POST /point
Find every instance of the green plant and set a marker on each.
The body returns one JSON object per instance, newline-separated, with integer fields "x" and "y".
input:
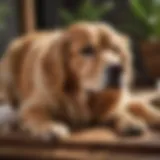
{"x": 87, "y": 11}
{"x": 145, "y": 20}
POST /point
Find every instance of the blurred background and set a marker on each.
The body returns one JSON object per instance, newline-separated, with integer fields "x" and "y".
{"x": 140, "y": 19}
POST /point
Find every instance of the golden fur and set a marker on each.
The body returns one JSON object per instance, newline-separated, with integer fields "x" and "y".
{"x": 56, "y": 79}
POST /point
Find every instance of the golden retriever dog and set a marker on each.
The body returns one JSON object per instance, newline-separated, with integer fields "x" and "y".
{"x": 72, "y": 77}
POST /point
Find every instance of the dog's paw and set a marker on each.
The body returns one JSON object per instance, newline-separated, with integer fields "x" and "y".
{"x": 131, "y": 131}
{"x": 8, "y": 119}
{"x": 131, "y": 127}
{"x": 47, "y": 131}
{"x": 155, "y": 123}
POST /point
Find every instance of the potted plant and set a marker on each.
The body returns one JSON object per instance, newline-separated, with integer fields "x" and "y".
{"x": 87, "y": 11}
{"x": 145, "y": 25}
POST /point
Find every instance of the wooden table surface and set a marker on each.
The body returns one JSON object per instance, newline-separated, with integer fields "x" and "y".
{"x": 95, "y": 143}
{"x": 90, "y": 144}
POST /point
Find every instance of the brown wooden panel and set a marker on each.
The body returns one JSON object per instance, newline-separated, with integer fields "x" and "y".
{"x": 27, "y": 8}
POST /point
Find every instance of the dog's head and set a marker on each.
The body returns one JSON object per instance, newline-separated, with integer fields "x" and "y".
{"x": 96, "y": 55}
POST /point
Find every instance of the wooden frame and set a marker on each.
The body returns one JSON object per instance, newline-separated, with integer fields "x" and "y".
{"x": 28, "y": 19}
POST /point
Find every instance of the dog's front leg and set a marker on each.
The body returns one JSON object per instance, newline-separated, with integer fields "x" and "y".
{"x": 36, "y": 118}
{"x": 108, "y": 107}
{"x": 127, "y": 124}
{"x": 146, "y": 112}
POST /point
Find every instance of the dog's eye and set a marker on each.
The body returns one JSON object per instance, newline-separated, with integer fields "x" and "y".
{"x": 88, "y": 51}
{"x": 115, "y": 48}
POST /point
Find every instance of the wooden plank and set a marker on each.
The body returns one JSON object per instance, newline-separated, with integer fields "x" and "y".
{"x": 67, "y": 154}
{"x": 147, "y": 144}
{"x": 28, "y": 15}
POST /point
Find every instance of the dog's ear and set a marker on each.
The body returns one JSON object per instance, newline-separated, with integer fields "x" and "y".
{"x": 104, "y": 38}
{"x": 129, "y": 60}
{"x": 72, "y": 83}
{"x": 105, "y": 33}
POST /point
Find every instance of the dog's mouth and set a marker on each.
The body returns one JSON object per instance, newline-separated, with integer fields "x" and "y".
{"x": 114, "y": 76}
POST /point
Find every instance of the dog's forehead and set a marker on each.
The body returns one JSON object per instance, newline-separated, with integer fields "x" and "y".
{"x": 83, "y": 33}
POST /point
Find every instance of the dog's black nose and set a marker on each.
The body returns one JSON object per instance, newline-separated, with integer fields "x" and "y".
{"x": 114, "y": 73}
{"x": 115, "y": 69}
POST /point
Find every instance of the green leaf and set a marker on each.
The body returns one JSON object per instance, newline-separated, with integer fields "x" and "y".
{"x": 138, "y": 9}
{"x": 66, "y": 16}
{"x": 86, "y": 11}
{"x": 157, "y": 29}
{"x": 147, "y": 5}
{"x": 103, "y": 9}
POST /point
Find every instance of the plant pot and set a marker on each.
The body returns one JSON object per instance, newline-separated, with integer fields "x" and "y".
{"x": 150, "y": 52}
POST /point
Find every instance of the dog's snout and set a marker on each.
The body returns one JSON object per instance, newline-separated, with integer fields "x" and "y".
{"x": 113, "y": 74}
{"x": 115, "y": 69}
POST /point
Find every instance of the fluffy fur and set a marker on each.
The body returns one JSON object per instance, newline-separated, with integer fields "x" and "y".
{"x": 59, "y": 80}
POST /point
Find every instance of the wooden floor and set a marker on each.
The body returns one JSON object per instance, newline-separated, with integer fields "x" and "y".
{"x": 90, "y": 144}
{"x": 95, "y": 143}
